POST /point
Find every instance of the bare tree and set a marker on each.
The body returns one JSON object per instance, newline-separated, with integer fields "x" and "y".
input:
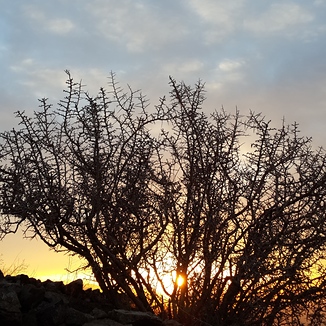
{"x": 81, "y": 179}
{"x": 147, "y": 197}
{"x": 249, "y": 225}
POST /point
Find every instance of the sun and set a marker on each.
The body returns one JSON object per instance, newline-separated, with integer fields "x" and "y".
{"x": 169, "y": 281}
{"x": 180, "y": 281}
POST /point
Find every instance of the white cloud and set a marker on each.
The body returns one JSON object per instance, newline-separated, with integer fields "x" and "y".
{"x": 216, "y": 11}
{"x": 279, "y": 17}
{"x": 230, "y": 71}
{"x": 139, "y": 28}
{"x": 182, "y": 68}
{"x": 230, "y": 65}
{"x": 39, "y": 80}
{"x": 28, "y": 62}
{"x": 49, "y": 82}
{"x": 222, "y": 16}
{"x": 60, "y": 26}
{"x": 319, "y": 2}
{"x": 54, "y": 25}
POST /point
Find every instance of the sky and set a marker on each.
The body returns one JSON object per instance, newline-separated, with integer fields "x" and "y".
{"x": 259, "y": 55}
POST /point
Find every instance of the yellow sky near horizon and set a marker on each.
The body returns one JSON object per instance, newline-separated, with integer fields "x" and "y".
{"x": 38, "y": 260}
{"x": 42, "y": 263}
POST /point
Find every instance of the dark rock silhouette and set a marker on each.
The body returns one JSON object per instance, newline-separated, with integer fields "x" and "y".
{"x": 26, "y": 301}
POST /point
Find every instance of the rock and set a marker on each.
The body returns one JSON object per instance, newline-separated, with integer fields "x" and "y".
{"x": 55, "y": 298}
{"x": 148, "y": 322}
{"x": 74, "y": 317}
{"x": 48, "y": 314}
{"x": 52, "y": 286}
{"x": 30, "y": 296}
{"x": 23, "y": 279}
{"x": 26, "y": 301}
{"x": 19, "y": 279}
{"x": 10, "y": 308}
{"x": 171, "y": 322}
{"x": 104, "y": 322}
{"x": 52, "y": 315}
{"x": 99, "y": 313}
{"x": 35, "y": 282}
{"x": 30, "y": 319}
{"x": 136, "y": 318}
{"x": 75, "y": 288}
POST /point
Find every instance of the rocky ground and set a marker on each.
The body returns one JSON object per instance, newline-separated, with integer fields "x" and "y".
{"x": 26, "y": 301}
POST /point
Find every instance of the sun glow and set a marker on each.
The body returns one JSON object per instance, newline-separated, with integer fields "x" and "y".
{"x": 169, "y": 281}
{"x": 164, "y": 280}
{"x": 180, "y": 281}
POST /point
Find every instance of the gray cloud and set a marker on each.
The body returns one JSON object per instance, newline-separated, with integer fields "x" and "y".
{"x": 266, "y": 56}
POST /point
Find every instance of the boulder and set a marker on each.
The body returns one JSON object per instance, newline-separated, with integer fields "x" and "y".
{"x": 136, "y": 318}
{"x": 171, "y": 322}
{"x": 104, "y": 322}
{"x": 52, "y": 286}
{"x": 72, "y": 316}
{"x": 75, "y": 288}
{"x": 10, "y": 307}
{"x": 99, "y": 313}
{"x": 26, "y": 301}
{"x": 30, "y": 296}
{"x": 48, "y": 314}
{"x": 54, "y": 299}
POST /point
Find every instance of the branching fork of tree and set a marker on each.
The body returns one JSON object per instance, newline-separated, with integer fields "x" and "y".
{"x": 142, "y": 194}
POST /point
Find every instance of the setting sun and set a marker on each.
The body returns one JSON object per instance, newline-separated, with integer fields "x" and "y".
{"x": 180, "y": 281}
{"x": 169, "y": 281}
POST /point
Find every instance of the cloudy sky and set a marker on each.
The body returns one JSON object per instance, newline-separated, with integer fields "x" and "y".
{"x": 261, "y": 55}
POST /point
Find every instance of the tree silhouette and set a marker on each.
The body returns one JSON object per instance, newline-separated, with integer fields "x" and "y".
{"x": 230, "y": 204}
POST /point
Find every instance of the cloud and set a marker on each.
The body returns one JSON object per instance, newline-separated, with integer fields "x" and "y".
{"x": 60, "y": 26}
{"x": 186, "y": 67}
{"x": 228, "y": 72}
{"x": 55, "y": 25}
{"x": 217, "y": 12}
{"x": 279, "y": 17}
{"x": 138, "y": 27}
{"x": 229, "y": 65}
{"x": 319, "y": 2}
{"x": 231, "y": 45}
{"x": 37, "y": 80}
{"x": 221, "y": 16}
{"x": 40, "y": 81}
